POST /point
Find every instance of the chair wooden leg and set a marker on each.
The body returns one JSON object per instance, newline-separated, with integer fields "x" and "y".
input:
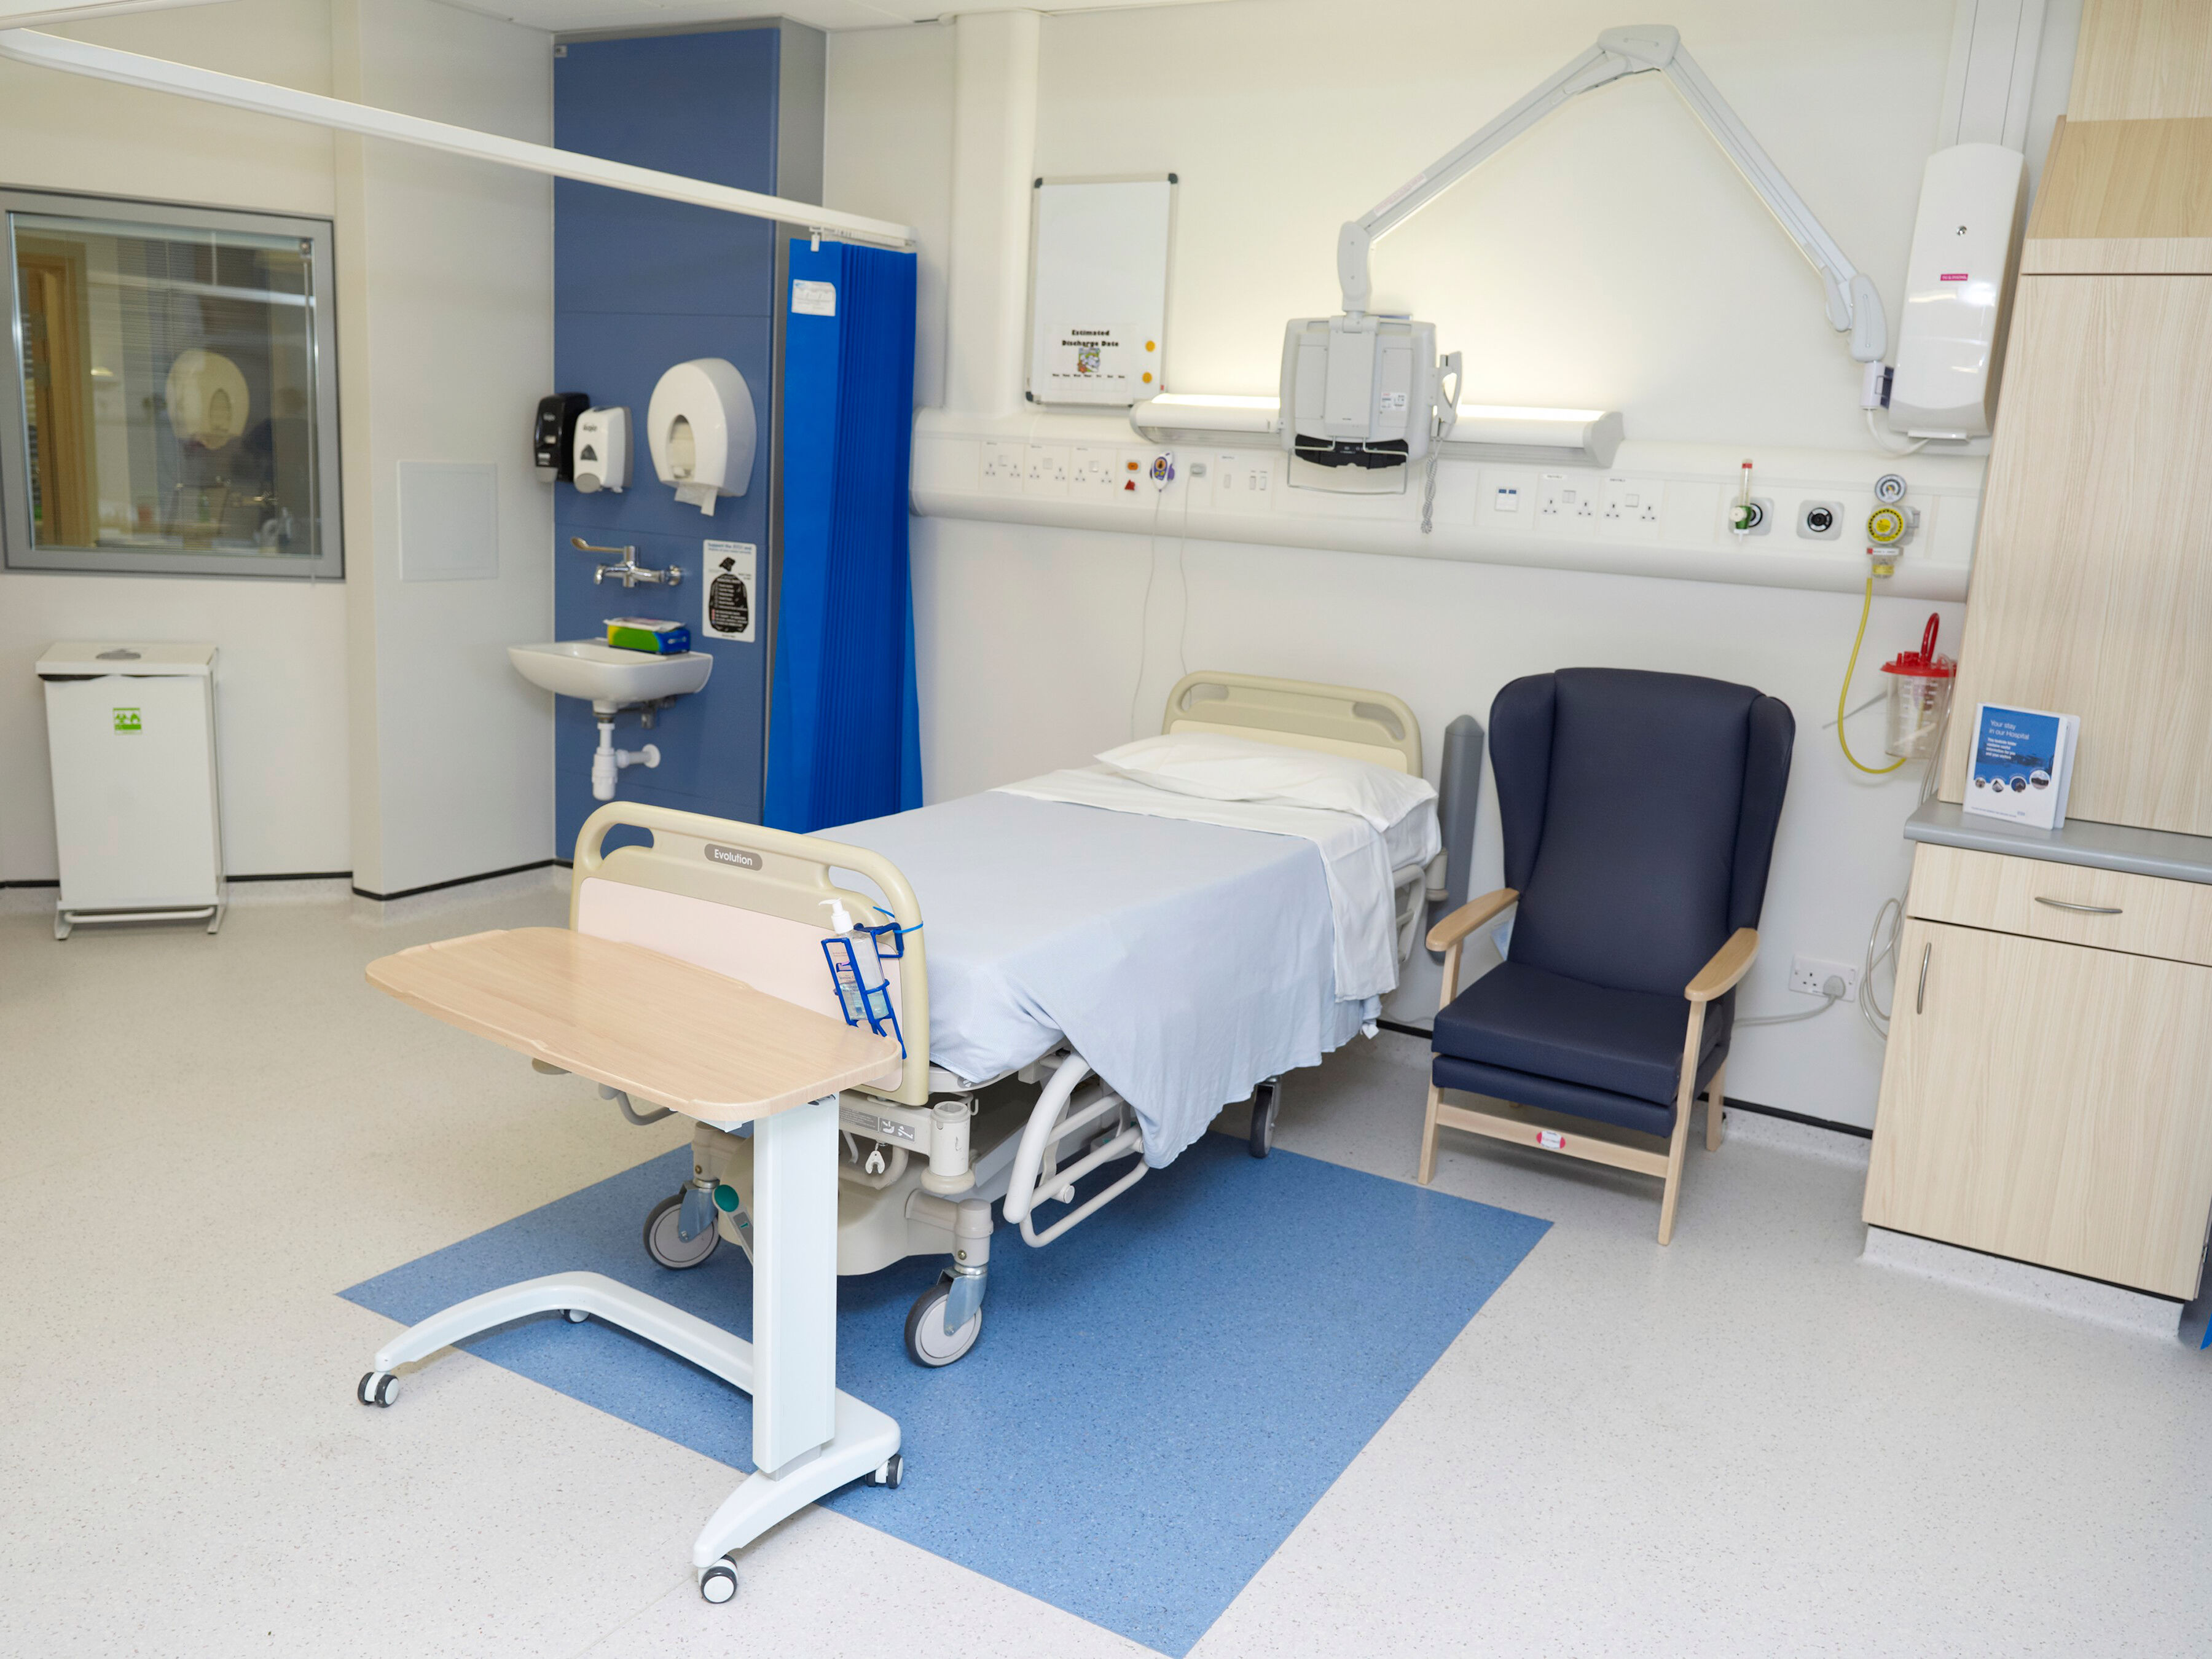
{"x": 1685, "y": 1097}
{"x": 1673, "y": 1172}
{"x": 1716, "y": 1103}
{"x": 1428, "y": 1167}
{"x": 1429, "y": 1137}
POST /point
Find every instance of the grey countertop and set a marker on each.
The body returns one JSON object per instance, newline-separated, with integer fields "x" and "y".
{"x": 2100, "y": 845}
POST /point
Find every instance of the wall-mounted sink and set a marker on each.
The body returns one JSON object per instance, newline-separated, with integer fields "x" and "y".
{"x": 607, "y": 675}
{"x": 611, "y": 678}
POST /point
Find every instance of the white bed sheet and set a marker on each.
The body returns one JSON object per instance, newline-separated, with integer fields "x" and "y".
{"x": 1358, "y": 860}
{"x": 1186, "y": 960}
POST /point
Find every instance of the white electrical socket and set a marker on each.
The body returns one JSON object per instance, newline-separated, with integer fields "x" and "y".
{"x": 1808, "y": 973}
{"x": 1003, "y": 464}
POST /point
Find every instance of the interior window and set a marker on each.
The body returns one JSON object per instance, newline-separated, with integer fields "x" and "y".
{"x": 172, "y": 400}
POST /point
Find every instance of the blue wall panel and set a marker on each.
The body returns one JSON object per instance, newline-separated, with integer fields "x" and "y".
{"x": 641, "y": 285}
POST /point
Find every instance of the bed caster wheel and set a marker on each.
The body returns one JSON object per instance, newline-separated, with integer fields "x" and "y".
{"x": 377, "y": 1388}
{"x": 667, "y": 1246}
{"x": 927, "y": 1341}
{"x": 575, "y": 1315}
{"x": 718, "y": 1582}
{"x": 892, "y": 1473}
{"x": 1265, "y": 1099}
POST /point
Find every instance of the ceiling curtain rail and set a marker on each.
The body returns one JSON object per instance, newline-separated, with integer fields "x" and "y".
{"x": 159, "y": 74}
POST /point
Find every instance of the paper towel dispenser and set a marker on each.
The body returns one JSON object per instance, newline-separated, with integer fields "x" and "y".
{"x": 701, "y": 427}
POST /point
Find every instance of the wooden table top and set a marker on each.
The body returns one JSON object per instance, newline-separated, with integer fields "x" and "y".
{"x": 658, "y": 1029}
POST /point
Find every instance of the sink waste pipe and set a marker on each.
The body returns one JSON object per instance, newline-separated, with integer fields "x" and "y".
{"x": 608, "y": 762}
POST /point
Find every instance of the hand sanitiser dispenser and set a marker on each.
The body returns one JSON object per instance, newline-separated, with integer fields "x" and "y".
{"x": 701, "y": 427}
{"x": 602, "y": 450}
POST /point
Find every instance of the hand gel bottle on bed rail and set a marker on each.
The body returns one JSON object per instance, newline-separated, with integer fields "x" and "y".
{"x": 862, "y": 990}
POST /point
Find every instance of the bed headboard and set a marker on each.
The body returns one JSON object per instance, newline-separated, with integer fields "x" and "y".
{"x": 1336, "y": 720}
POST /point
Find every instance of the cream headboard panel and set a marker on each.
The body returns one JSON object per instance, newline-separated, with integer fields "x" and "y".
{"x": 1335, "y": 719}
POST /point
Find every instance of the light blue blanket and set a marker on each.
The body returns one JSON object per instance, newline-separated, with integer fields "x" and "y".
{"x": 1186, "y": 962}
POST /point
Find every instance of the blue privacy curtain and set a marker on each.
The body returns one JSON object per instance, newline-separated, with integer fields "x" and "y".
{"x": 844, "y": 719}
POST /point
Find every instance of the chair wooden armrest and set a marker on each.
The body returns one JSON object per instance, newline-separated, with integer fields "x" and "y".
{"x": 1469, "y": 916}
{"x": 1729, "y": 963}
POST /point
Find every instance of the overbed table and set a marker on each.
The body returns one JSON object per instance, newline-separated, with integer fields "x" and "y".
{"x": 713, "y": 1049}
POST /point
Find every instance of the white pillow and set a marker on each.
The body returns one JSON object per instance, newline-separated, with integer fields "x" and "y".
{"x": 1216, "y": 767}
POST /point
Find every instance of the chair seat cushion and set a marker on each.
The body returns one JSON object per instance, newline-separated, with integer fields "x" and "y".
{"x": 1573, "y": 1099}
{"x": 1520, "y": 1019}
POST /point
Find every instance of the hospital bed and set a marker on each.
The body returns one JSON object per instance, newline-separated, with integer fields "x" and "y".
{"x": 694, "y": 979}
{"x": 1040, "y": 916}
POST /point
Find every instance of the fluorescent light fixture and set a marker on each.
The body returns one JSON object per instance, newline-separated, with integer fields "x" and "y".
{"x": 1214, "y": 400}
{"x": 1488, "y": 432}
{"x": 1191, "y": 417}
{"x": 1518, "y": 412}
{"x": 1544, "y": 437}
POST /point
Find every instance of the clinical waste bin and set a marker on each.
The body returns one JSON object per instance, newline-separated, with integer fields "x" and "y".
{"x": 137, "y": 822}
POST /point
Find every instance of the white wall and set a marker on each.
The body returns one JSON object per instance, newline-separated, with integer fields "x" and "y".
{"x": 374, "y": 725}
{"x": 452, "y": 753}
{"x": 281, "y": 680}
{"x": 1613, "y": 259}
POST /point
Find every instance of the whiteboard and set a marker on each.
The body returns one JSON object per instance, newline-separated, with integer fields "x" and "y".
{"x": 1098, "y": 291}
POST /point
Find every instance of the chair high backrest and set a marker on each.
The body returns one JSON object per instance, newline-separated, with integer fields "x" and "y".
{"x": 1637, "y": 811}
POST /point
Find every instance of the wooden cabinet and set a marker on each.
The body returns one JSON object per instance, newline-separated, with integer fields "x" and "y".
{"x": 2092, "y": 589}
{"x": 2142, "y": 60}
{"x": 2048, "y": 1102}
{"x": 2112, "y": 910}
{"x": 2047, "y": 1094}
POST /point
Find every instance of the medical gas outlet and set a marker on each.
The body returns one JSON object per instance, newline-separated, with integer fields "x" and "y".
{"x": 1891, "y": 525}
{"x": 1749, "y": 515}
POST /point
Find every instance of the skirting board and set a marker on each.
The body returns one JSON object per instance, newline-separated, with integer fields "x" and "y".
{"x": 291, "y": 890}
{"x": 2020, "y": 1281}
{"x": 453, "y": 896}
{"x": 39, "y": 898}
{"x": 1750, "y": 1127}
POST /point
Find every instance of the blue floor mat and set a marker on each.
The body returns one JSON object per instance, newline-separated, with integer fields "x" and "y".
{"x": 1157, "y": 1400}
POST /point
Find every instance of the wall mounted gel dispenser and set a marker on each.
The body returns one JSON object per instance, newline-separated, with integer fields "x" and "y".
{"x": 602, "y": 450}
{"x": 701, "y": 427}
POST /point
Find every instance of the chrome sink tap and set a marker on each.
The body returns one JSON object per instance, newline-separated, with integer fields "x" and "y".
{"x": 628, "y": 571}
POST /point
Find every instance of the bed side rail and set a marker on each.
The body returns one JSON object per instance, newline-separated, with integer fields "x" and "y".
{"x": 769, "y": 873}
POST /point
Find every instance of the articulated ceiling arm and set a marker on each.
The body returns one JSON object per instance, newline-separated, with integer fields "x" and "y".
{"x": 1853, "y": 303}
{"x": 1595, "y": 68}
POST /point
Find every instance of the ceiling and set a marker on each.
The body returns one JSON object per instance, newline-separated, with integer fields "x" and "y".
{"x": 578, "y": 16}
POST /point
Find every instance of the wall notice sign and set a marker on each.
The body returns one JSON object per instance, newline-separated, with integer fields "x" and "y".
{"x": 730, "y": 595}
{"x": 813, "y": 299}
{"x": 1098, "y": 291}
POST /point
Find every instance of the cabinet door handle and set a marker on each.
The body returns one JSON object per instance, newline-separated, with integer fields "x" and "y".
{"x": 1920, "y": 1001}
{"x": 2086, "y": 910}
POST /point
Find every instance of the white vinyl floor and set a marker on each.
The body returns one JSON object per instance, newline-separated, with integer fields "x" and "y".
{"x": 1749, "y": 1443}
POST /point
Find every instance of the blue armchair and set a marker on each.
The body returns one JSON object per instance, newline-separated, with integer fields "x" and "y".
{"x": 1639, "y": 813}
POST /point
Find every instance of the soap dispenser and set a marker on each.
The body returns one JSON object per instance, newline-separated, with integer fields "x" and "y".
{"x": 701, "y": 427}
{"x": 602, "y": 450}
